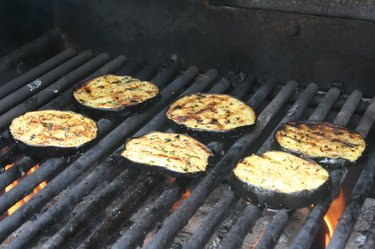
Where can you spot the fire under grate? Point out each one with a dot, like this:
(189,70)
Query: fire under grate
(90,200)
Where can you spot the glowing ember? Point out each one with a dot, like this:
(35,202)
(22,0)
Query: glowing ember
(26,198)
(333,215)
(181,200)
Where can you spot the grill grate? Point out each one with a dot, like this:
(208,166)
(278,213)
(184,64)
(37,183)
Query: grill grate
(90,199)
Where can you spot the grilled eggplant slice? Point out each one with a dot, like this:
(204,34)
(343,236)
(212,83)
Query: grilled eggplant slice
(329,145)
(280,180)
(52,132)
(113,94)
(211,114)
(174,154)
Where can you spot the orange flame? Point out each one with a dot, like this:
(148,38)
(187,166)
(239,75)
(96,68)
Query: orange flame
(26,198)
(333,215)
(181,200)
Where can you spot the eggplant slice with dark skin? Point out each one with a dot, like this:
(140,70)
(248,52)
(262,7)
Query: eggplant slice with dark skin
(169,154)
(52,133)
(280,180)
(112,95)
(329,145)
(213,116)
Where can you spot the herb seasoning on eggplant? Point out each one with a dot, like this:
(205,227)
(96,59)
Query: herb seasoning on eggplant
(204,113)
(328,144)
(170,153)
(56,132)
(113,93)
(280,180)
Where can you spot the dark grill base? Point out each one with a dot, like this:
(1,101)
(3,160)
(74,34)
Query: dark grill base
(93,201)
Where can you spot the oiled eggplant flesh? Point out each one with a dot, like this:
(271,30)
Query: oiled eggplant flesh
(278,179)
(168,151)
(113,92)
(53,128)
(211,112)
(323,141)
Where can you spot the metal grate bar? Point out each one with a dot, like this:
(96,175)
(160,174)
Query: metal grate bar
(35,86)
(311,225)
(53,90)
(178,219)
(122,210)
(42,68)
(353,206)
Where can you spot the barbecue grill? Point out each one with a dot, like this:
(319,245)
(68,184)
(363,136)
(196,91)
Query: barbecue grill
(91,200)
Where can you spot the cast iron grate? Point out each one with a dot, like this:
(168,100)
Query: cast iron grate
(90,200)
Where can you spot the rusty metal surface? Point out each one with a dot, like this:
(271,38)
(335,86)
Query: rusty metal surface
(358,9)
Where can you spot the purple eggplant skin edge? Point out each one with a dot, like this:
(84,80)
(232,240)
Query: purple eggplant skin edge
(210,134)
(160,170)
(266,198)
(39,151)
(328,163)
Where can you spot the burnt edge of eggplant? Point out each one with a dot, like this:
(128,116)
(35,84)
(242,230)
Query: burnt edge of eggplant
(212,135)
(266,198)
(160,170)
(112,113)
(39,151)
(328,163)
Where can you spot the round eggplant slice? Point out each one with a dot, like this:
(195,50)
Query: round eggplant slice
(211,115)
(167,153)
(279,180)
(113,94)
(330,145)
(53,133)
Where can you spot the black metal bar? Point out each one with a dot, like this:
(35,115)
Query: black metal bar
(97,200)
(66,98)
(238,232)
(111,141)
(243,87)
(42,68)
(128,202)
(353,205)
(18,169)
(33,87)
(178,219)
(367,119)
(348,108)
(8,154)
(53,90)
(370,239)
(274,230)
(48,168)
(168,75)
(202,235)
(311,225)
(333,93)
(41,43)
(155,212)
(264,90)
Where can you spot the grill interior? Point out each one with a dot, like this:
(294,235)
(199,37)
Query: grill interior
(92,201)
